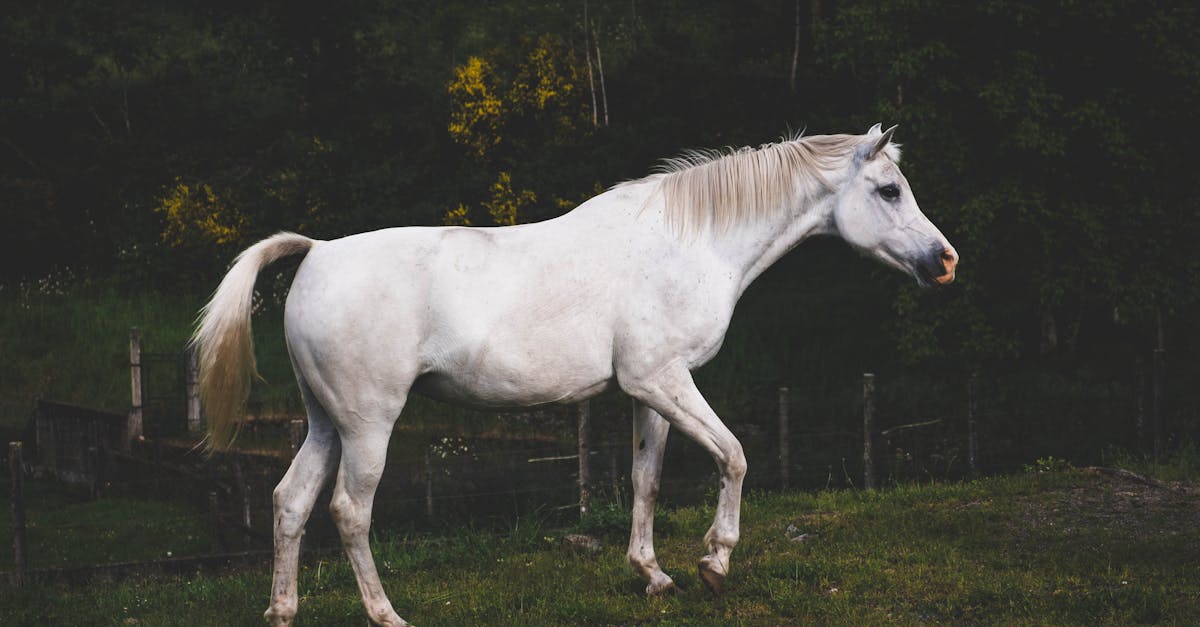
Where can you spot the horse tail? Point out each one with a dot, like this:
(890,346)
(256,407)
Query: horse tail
(223,337)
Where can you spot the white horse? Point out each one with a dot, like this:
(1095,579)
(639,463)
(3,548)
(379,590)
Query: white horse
(634,288)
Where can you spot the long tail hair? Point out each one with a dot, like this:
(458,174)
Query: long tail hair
(224,340)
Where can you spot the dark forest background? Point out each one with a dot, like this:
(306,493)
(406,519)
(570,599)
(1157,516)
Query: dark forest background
(142,144)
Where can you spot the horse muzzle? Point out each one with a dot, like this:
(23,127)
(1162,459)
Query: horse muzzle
(938,267)
(948,261)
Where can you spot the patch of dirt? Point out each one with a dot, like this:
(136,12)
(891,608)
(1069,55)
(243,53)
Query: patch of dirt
(1115,501)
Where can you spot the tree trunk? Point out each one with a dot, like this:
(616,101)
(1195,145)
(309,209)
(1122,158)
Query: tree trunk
(795,51)
(600,71)
(1049,333)
(816,19)
(587,51)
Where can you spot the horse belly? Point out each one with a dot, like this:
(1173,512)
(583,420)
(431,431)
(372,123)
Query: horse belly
(533,364)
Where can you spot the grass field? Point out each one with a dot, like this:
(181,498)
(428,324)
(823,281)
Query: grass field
(1039,548)
(71,344)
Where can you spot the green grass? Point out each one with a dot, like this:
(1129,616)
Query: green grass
(1057,548)
(1179,464)
(65,532)
(74,346)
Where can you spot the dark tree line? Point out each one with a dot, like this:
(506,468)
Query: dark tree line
(1049,140)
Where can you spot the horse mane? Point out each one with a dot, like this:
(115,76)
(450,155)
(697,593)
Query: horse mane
(719,189)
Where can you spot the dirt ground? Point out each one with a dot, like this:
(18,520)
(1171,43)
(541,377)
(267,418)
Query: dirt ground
(1118,501)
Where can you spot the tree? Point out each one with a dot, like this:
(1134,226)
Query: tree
(1038,134)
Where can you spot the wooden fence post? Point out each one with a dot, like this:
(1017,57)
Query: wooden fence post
(614,474)
(972,438)
(585,445)
(868,430)
(214,521)
(1159,400)
(246,505)
(133,426)
(783,438)
(20,540)
(1139,400)
(244,491)
(95,480)
(193,388)
(428,484)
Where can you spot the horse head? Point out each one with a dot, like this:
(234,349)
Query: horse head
(875,211)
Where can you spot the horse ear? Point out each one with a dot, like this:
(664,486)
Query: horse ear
(883,141)
(875,130)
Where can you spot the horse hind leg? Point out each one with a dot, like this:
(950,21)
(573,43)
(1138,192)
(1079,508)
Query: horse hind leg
(293,501)
(364,452)
(649,442)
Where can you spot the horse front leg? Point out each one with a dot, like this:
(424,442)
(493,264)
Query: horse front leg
(649,442)
(671,392)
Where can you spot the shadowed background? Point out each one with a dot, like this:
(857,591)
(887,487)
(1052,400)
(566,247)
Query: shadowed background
(142,145)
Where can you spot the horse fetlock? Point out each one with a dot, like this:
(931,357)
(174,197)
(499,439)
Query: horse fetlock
(720,542)
(385,616)
(280,614)
(644,563)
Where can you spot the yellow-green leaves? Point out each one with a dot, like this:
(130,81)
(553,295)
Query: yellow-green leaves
(507,202)
(476,109)
(196,214)
(494,97)
(502,105)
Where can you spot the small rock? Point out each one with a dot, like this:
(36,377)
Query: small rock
(580,541)
(793,533)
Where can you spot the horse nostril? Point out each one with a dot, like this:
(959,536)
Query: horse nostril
(949,260)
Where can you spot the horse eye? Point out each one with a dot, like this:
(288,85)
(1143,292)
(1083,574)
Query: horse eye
(889,192)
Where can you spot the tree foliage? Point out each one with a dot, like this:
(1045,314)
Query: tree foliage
(1046,138)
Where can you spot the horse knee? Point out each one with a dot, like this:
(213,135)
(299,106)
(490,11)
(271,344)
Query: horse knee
(735,462)
(289,517)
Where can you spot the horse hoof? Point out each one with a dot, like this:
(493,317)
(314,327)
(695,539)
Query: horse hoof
(711,573)
(660,588)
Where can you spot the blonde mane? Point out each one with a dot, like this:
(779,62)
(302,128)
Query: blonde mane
(717,190)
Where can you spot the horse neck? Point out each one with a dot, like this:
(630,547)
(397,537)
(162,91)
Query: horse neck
(750,249)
